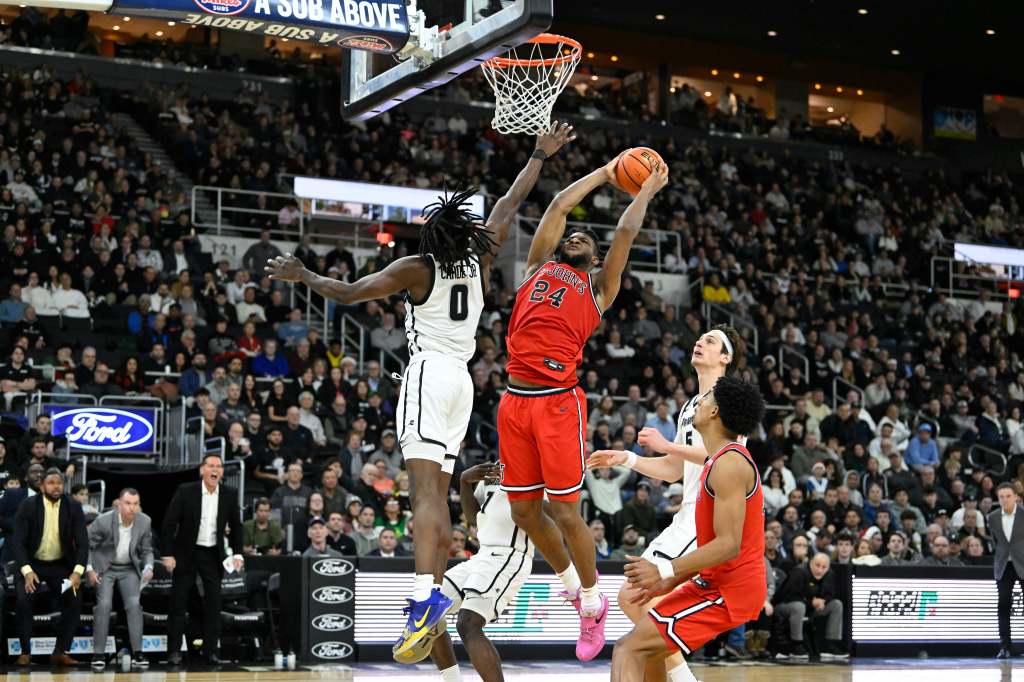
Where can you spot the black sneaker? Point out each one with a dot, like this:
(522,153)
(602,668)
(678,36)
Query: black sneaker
(139,661)
(834,651)
(739,652)
(99,663)
(797,652)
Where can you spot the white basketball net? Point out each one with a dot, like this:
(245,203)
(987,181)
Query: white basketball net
(528,80)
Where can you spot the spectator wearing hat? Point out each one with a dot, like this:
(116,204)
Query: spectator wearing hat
(316,531)
(632,543)
(922,450)
(817,482)
(640,512)
(389,450)
(969,509)
(671,504)
(1007,525)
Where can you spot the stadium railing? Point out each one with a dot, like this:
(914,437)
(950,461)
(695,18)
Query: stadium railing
(946,278)
(992,461)
(837,382)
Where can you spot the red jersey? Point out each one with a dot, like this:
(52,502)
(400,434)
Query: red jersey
(555,313)
(742,580)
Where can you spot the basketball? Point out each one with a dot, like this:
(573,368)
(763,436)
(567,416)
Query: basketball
(634,166)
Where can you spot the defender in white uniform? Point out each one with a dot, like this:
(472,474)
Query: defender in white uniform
(714,355)
(444,286)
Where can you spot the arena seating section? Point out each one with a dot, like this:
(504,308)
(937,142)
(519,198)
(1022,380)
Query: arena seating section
(830,260)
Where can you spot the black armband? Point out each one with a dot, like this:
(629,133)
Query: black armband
(539,154)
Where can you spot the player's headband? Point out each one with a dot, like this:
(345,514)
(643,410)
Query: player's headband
(726,344)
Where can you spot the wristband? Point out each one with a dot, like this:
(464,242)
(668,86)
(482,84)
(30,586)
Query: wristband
(665,569)
(631,459)
(539,154)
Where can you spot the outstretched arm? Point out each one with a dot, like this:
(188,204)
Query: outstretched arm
(500,221)
(652,439)
(552,225)
(666,468)
(401,275)
(628,228)
(467,486)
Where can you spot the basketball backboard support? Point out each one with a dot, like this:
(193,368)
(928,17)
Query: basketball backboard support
(372,83)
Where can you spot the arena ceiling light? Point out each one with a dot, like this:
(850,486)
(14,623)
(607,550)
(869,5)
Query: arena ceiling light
(659,17)
(862,11)
(772,34)
(894,52)
(990,31)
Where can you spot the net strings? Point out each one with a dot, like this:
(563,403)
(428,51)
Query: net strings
(525,95)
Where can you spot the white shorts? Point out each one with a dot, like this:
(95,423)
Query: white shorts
(486,582)
(434,406)
(678,539)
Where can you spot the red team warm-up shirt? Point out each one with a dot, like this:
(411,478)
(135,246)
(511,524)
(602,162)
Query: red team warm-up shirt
(555,313)
(742,580)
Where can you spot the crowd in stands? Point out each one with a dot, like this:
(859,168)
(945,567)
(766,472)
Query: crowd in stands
(867,456)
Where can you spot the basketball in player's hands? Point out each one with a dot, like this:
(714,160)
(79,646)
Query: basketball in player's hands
(634,166)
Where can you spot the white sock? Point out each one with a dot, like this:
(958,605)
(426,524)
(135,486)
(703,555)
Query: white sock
(590,599)
(681,673)
(571,579)
(422,586)
(451,674)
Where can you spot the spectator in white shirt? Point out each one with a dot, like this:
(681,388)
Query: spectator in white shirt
(38,297)
(308,418)
(249,309)
(70,302)
(236,289)
(149,257)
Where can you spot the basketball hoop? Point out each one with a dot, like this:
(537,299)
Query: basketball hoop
(526,87)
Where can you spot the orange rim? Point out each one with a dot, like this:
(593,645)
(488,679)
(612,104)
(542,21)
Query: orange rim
(575,52)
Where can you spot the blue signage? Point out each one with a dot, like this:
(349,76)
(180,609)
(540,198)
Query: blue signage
(372,25)
(105,429)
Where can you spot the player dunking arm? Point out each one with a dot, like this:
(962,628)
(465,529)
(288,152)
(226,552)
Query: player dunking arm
(542,416)
(715,354)
(445,298)
(731,586)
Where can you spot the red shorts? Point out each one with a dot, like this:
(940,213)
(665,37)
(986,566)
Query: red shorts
(692,616)
(540,442)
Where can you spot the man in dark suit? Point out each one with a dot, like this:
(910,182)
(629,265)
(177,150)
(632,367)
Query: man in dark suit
(11,501)
(1006,525)
(199,517)
(51,546)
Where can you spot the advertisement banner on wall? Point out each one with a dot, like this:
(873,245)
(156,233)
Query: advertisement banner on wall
(105,430)
(893,610)
(330,611)
(536,615)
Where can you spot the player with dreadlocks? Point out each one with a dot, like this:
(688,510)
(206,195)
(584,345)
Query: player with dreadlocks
(444,288)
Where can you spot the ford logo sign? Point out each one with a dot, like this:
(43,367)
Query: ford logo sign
(332,595)
(333,567)
(332,622)
(105,428)
(332,650)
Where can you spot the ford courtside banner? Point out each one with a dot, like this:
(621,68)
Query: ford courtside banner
(105,429)
(373,25)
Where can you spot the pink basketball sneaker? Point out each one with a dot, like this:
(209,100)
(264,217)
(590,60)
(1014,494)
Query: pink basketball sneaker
(591,639)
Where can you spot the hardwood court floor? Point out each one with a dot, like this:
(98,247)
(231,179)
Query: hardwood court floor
(869,670)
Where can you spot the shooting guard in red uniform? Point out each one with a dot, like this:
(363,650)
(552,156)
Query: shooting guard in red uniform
(542,417)
(730,586)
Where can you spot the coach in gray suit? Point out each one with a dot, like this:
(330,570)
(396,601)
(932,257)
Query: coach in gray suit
(120,551)
(1006,525)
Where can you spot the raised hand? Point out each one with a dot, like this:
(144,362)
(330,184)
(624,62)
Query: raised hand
(286,268)
(557,136)
(652,439)
(657,180)
(604,459)
(480,472)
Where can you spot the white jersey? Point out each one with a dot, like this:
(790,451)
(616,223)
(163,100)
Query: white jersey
(687,435)
(446,319)
(495,528)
